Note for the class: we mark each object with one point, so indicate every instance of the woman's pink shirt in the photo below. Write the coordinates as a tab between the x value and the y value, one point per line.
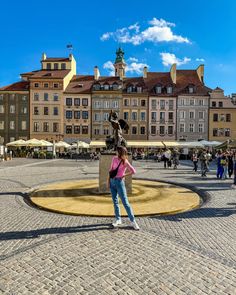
121	170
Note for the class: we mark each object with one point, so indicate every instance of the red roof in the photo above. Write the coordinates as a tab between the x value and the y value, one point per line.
80	84
47	74
18	86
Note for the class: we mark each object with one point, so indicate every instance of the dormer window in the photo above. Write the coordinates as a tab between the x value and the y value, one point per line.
115	86
106	86
130	89
63	66
158	89
190	89
169	89
96	87
139	89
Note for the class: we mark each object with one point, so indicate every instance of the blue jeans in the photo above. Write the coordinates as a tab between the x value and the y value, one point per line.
117	187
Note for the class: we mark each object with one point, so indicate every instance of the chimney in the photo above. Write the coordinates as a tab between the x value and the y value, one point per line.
200	72
145	72
173	73
96	73
44	56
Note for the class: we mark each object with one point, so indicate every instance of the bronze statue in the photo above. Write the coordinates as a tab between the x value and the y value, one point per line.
112	142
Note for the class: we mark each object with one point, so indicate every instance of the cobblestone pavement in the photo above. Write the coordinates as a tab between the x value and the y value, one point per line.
47	253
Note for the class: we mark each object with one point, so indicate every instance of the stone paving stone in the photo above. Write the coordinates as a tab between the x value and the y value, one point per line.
56	254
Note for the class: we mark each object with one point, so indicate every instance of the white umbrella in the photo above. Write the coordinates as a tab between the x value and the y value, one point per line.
210	143
62	144
46	143
19	142
191	144
33	142
80	144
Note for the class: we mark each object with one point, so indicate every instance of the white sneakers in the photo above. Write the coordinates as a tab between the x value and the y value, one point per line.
233	186
118	222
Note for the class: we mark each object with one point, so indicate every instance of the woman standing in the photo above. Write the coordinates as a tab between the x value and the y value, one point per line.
117	185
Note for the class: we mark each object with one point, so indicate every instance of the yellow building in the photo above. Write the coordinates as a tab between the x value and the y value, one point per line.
222	116
46	96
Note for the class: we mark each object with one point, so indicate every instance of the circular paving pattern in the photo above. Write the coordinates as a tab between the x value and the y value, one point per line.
82	198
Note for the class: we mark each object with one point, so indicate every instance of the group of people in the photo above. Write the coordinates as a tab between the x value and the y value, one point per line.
170	157
225	164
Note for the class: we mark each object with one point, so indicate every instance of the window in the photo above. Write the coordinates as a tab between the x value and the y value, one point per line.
220	104
126	102
201	102
36	96
36	111
191	115
85	115
45	85
23	110
153	130
97	104
134	116
191	127
12	109
2	109
23	125
48	66
171	116
77	102
115	86
106	105
162	104
55	66
190	89
69	101
192	102
142	130
134	130
154	104
201	115
63	66
143	116
77	129
213	104
171	104
227	132
55	127
84	129
56	97
68	114
45	96
55	85
115	104
77	114
158	89
106	87
134	102
162	130
182	114
12	125
45	111
228	117
24	98
106	116
97	117
126	116
222	117
1	97
200	128
1	125
96	87
162	116
181	127
45	127
139	89
36	85
105	131
68	129
143	102
96	131
182	101
170	130
84	102
169	89
129	89
221	132
55	111
215	117
153	116
215	132
36	126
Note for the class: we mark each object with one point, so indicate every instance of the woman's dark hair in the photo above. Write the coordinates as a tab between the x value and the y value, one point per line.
122	153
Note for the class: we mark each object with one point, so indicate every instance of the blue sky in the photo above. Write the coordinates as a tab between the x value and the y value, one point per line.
152	32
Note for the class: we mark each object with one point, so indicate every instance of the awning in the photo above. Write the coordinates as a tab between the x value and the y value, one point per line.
143	144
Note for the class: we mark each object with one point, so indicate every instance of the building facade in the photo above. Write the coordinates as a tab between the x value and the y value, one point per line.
14	112
222	116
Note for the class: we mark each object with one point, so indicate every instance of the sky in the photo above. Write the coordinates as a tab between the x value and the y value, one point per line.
152	33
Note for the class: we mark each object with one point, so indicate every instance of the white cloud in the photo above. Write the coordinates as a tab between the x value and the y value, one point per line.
200	59
158	31
132	66
170	58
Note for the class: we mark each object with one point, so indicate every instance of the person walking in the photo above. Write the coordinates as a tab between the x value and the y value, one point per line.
117	173
230	164
195	161
224	164
234	184
203	159
219	172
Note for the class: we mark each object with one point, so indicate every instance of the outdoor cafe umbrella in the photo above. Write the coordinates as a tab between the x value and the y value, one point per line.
62	144
34	143
16	143
80	145
46	143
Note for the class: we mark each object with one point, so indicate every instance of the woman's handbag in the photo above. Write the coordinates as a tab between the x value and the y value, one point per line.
113	172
